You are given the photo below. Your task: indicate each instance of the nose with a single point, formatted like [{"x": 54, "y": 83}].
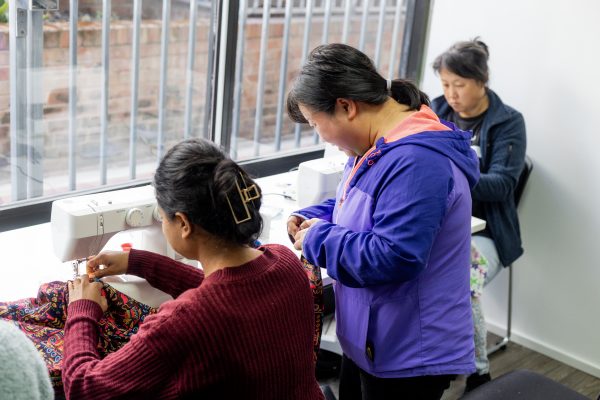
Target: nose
[{"x": 452, "y": 93}]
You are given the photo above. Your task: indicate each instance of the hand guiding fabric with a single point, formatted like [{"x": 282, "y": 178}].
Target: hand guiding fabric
[{"x": 82, "y": 289}]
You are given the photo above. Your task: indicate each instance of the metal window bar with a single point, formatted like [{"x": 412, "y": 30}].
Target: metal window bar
[
  {"x": 347, "y": 15},
  {"x": 228, "y": 17},
  {"x": 72, "y": 163},
  {"x": 187, "y": 130},
  {"x": 282, "y": 75},
  {"x": 395, "y": 34},
  {"x": 106, "y": 12},
  {"x": 239, "y": 62},
  {"x": 326, "y": 21},
  {"x": 209, "y": 72},
  {"x": 135, "y": 78},
  {"x": 18, "y": 98},
  {"x": 261, "y": 76},
  {"x": 363, "y": 25},
  {"x": 406, "y": 38},
  {"x": 324, "y": 40},
  {"x": 35, "y": 139},
  {"x": 162, "y": 91},
  {"x": 305, "y": 44},
  {"x": 380, "y": 24}
]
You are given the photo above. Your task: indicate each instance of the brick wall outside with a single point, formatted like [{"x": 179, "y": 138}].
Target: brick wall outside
[{"x": 55, "y": 88}]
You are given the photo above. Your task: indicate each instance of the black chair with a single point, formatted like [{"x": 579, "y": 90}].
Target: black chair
[
  {"x": 527, "y": 168},
  {"x": 525, "y": 385}
]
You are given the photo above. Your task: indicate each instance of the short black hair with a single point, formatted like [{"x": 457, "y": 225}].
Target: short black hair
[
  {"x": 336, "y": 70},
  {"x": 197, "y": 179},
  {"x": 466, "y": 59}
]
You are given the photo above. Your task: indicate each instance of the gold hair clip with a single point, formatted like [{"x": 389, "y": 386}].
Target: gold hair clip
[{"x": 246, "y": 195}]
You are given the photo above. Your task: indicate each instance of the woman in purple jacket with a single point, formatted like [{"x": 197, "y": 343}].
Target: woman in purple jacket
[{"x": 396, "y": 238}]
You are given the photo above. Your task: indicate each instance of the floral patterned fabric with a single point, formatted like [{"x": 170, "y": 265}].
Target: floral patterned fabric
[
  {"x": 316, "y": 285},
  {"x": 43, "y": 319},
  {"x": 479, "y": 269}
]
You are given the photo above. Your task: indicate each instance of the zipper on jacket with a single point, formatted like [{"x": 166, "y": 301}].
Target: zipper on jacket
[{"x": 509, "y": 155}]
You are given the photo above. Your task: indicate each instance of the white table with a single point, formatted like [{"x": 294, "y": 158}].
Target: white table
[{"x": 28, "y": 259}]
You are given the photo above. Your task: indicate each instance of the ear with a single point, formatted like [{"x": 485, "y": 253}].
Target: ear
[
  {"x": 348, "y": 107},
  {"x": 185, "y": 226}
]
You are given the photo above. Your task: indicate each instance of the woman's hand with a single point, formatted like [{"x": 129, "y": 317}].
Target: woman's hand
[
  {"x": 114, "y": 263},
  {"x": 303, "y": 229},
  {"x": 82, "y": 289},
  {"x": 293, "y": 226}
]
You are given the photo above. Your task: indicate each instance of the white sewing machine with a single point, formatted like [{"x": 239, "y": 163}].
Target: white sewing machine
[
  {"x": 318, "y": 179},
  {"x": 83, "y": 225}
]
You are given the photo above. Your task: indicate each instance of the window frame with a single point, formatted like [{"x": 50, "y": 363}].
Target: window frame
[{"x": 34, "y": 211}]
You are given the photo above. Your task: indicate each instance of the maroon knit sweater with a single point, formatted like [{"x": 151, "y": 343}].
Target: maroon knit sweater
[{"x": 241, "y": 333}]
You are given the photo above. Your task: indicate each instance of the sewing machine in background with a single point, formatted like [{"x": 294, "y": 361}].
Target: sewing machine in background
[{"x": 318, "y": 179}]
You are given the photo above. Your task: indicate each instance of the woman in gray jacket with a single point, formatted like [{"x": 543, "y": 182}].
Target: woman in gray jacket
[{"x": 500, "y": 142}]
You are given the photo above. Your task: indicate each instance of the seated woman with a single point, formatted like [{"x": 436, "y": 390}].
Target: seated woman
[
  {"x": 241, "y": 328},
  {"x": 499, "y": 140}
]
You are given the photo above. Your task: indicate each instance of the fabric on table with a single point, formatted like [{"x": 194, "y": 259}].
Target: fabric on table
[{"x": 43, "y": 318}]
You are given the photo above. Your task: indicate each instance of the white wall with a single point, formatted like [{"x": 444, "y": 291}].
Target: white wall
[{"x": 544, "y": 61}]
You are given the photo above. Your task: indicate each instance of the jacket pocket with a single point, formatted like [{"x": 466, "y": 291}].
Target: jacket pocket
[
  {"x": 394, "y": 333},
  {"x": 352, "y": 321}
]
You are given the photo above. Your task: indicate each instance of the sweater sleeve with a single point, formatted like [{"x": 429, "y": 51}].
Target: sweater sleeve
[
  {"x": 408, "y": 213},
  {"x": 140, "y": 369},
  {"x": 506, "y": 162},
  {"x": 164, "y": 273}
]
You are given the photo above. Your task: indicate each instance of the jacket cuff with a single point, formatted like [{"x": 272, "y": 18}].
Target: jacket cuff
[
  {"x": 297, "y": 214},
  {"x": 308, "y": 254}
]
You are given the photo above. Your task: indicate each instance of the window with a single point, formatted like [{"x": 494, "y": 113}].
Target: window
[
  {"x": 94, "y": 95},
  {"x": 274, "y": 38}
]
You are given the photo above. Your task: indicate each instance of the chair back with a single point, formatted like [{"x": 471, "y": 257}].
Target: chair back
[
  {"x": 523, "y": 384},
  {"x": 527, "y": 168}
]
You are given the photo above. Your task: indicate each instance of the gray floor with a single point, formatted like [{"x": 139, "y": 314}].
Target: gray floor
[{"x": 519, "y": 357}]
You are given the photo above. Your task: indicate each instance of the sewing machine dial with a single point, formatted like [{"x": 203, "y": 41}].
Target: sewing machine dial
[{"x": 134, "y": 217}]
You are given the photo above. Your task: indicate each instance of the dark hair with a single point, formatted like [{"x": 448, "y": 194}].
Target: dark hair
[
  {"x": 200, "y": 181},
  {"x": 467, "y": 59},
  {"x": 335, "y": 71}
]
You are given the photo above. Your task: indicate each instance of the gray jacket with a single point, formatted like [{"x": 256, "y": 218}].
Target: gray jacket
[{"x": 23, "y": 373}]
